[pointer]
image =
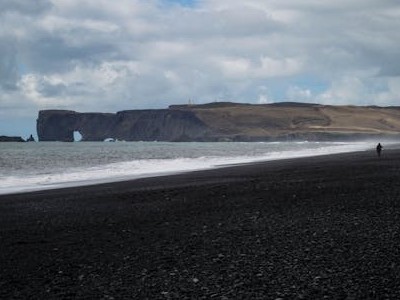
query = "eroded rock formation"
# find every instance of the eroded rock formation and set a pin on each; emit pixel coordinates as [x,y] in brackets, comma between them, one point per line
[134,125]
[223,122]
[30,138]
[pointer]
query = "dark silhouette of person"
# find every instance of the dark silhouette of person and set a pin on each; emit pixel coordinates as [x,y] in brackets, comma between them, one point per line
[379,149]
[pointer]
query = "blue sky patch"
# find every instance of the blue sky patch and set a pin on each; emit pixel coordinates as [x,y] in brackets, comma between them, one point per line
[188,3]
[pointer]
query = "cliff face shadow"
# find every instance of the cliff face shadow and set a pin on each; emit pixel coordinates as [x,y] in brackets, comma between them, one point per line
[223,122]
[140,125]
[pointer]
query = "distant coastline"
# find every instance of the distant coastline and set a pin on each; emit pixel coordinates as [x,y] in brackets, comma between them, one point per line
[4,138]
[225,122]
[18,139]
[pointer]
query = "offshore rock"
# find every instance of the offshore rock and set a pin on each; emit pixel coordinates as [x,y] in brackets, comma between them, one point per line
[224,122]
[30,139]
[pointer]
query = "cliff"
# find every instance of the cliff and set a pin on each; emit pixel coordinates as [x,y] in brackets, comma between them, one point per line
[4,138]
[134,125]
[224,122]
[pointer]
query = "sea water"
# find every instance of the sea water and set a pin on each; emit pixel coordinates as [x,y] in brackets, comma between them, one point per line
[46,165]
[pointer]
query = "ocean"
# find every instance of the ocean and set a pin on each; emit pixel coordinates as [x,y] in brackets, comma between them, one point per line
[48,165]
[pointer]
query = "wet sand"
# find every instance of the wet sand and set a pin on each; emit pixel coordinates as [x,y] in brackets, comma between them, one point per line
[294,229]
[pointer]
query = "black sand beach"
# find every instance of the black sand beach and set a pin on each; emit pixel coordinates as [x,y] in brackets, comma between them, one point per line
[312,228]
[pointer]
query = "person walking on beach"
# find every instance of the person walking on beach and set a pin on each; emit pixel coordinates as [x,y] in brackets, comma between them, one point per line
[379,149]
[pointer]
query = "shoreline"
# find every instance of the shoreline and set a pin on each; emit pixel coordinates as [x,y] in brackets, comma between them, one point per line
[151,178]
[305,228]
[123,178]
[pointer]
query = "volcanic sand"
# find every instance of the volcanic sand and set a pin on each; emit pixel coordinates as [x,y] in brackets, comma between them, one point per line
[304,228]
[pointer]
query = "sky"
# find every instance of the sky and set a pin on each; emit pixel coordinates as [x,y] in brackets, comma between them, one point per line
[107,56]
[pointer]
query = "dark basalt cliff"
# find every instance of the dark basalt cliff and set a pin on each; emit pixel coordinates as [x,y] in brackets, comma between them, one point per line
[134,125]
[4,138]
[223,122]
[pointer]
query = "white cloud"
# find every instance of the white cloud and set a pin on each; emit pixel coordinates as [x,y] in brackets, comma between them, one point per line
[295,93]
[391,95]
[104,55]
[264,99]
[368,91]
[265,67]
[276,68]
[343,91]
[235,67]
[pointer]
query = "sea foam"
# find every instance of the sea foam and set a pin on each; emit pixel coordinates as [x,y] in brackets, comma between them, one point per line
[140,168]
